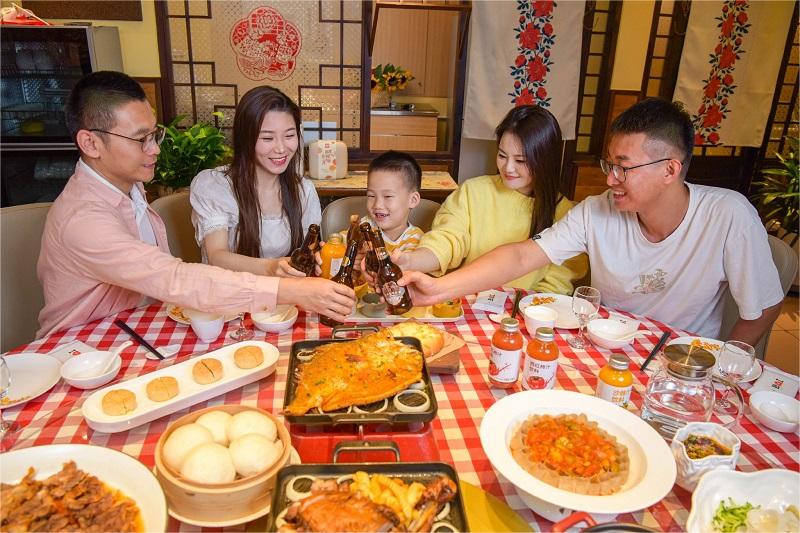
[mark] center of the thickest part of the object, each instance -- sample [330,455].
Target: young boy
[393,183]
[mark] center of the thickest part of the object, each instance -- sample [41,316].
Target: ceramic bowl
[604,332]
[265,321]
[776,411]
[83,371]
[691,470]
[372,306]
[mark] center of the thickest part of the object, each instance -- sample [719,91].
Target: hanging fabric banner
[731,56]
[523,52]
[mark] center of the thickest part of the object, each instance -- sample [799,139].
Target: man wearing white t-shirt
[657,246]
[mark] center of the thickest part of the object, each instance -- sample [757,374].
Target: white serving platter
[419,313]
[32,374]
[560,304]
[189,391]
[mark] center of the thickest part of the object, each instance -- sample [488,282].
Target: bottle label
[504,364]
[616,395]
[336,264]
[393,293]
[539,374]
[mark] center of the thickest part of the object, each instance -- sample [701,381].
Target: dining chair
[336,215]
[786,261]
[21,298]
[176,212]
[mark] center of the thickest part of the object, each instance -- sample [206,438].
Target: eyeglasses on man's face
[620,172]
[148,141]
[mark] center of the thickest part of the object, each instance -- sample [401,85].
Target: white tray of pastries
[125,405]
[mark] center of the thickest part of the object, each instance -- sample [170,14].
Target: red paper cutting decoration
[266,45]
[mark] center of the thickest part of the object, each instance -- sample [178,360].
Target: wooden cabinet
[408,133]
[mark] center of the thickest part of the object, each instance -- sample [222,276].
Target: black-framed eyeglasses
[620,172]
[148,141]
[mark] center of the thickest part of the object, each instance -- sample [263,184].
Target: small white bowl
[263,321]
[691,470]
[603,332]
[776,411]
[76,369]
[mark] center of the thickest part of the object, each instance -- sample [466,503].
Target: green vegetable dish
[747,517]
[729,518]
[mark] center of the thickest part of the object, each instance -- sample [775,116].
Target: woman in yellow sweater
[488,211]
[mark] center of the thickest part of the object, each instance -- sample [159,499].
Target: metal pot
[591,525]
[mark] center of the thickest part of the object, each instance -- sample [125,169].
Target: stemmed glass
[585,305]
[6,428]
[242,333]
[735,359]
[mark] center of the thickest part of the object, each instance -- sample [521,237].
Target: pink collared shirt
[93,263]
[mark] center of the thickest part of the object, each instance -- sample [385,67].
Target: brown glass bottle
[354,231]
[303,258]
[398,301]
[344,276]
[371,260]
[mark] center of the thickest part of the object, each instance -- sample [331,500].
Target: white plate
[420,313]
[652,467]
[751,375]
[172,312]
[562,305]
[189,391]
[771,489]
[115,469]
[32,375]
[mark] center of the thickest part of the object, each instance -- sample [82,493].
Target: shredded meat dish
[69,500]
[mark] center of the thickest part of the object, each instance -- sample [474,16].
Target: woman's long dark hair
[540,136]
[250,112]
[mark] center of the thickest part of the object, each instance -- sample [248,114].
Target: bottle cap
[545,334]
[335,238]
[510,324]
[619,361]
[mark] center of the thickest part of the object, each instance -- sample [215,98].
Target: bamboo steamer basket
[226,502]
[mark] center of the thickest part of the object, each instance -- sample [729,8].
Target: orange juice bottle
[332,255]
[541,361]
[506,354]
[615,381]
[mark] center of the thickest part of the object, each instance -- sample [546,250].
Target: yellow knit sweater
[483,214]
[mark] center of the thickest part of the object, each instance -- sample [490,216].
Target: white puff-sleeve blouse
[214,208]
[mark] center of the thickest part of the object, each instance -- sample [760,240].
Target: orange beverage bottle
[506,354]
[615,381]
[332,254]
[541,361]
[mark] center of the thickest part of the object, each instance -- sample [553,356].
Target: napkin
[777,381]
[491,301]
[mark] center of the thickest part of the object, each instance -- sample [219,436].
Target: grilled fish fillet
[357,372]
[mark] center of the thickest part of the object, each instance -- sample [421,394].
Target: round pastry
[248,357]
[209,463]
[253,454]
[119,402]
[182,441]
[216,422]
[162,389]
[247,422]
[207,371]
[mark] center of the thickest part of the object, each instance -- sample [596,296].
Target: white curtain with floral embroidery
[730,62]
[523,53]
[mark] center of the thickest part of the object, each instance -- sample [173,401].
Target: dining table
[55,417]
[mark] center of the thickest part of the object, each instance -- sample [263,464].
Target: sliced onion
[279,521]
[444,525]
[305,355]
[419,385]
[444,512]
[294,494]
[344,478]
[357,409]
[411,408]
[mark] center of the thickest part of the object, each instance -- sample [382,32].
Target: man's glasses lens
[155,138]
[609,168]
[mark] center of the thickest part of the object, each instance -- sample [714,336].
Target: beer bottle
[398,301]
[344,276]
[303,258]
[371,260]
[354,232]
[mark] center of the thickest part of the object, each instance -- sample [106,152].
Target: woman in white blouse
[250,215]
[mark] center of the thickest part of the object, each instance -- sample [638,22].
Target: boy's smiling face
[389,201]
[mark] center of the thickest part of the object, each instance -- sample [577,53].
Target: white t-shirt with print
[681,280]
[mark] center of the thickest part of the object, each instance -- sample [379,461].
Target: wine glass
[585,305]
[243,333]
[735,359]
[6,428]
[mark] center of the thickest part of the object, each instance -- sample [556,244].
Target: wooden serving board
[448,359]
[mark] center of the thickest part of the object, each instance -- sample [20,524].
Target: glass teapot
[682,390]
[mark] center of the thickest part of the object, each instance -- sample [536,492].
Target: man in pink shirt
[105,250]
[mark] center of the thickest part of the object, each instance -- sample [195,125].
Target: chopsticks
[138,338]
[655,349]
[517,298]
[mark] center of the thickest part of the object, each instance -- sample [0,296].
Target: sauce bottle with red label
[506,354]
[541,361]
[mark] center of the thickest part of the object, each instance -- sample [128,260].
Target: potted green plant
[187,151]
[777,195]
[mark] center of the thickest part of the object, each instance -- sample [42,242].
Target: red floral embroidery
[719,86]
[266,45]
[535,37]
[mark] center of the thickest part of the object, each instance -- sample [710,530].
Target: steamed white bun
[209,463]
[247,422]
[253,454]
[216,422]
[182,441]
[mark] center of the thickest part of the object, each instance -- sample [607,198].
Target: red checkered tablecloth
[463,399]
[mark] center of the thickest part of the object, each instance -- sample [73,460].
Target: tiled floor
[783,349]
